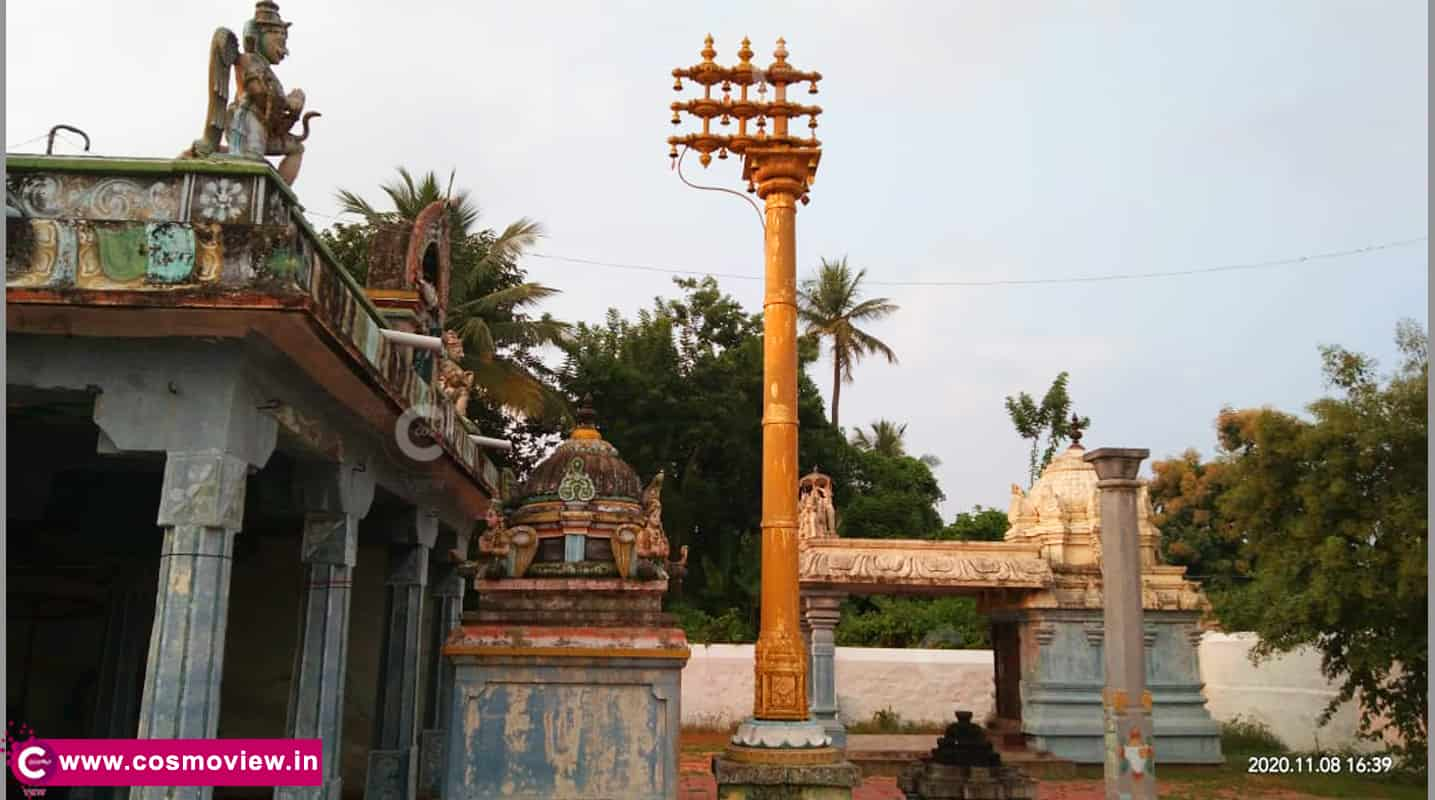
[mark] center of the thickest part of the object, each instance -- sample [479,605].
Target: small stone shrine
[964,765]
[568,679]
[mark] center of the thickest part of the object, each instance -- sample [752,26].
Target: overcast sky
[962,141]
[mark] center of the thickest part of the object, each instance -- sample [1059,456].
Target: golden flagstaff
[780,168]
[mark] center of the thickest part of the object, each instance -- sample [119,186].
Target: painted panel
[219,199]
[371,342]
[94,197]
[51,252]
[209,251]
[170,258]
[531,739]
[282,262]
[124,252]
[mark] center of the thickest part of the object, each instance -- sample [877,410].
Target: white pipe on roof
[415,340]
[494,444]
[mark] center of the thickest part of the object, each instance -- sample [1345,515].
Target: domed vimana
[570,635]
[583,512]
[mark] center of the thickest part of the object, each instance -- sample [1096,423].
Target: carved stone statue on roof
[455,382]
[258,123]
[816,517]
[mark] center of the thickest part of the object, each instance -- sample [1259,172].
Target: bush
[942,623]
[889,721]
[730,627]
[1240,735]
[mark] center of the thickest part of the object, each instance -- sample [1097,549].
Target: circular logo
[34,763]
[414,436]
[412,450]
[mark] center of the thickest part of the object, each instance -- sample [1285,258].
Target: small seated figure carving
[455,382]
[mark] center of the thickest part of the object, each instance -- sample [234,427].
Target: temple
[1042,589]
[208,404]
[250,487]
[568,678]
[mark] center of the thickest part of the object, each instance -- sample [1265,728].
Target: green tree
[491,305]
[927,622]
[1049,419]
[978,525]
[891,497]
[679,389]
[1184,494]
[1333,513]
[831,308]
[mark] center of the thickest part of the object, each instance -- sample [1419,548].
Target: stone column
[333,497]
[393,764]
[823,612]
[1130,760]
[806,629]
[448,614]
[201,511]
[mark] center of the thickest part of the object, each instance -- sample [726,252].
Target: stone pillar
[1130,760]
[823,612]
[448,614]
[393,763]
[201,511]
[333,497]
[806,629]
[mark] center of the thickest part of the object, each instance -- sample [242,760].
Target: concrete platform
[887,754]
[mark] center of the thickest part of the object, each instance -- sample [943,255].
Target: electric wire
[1251,265]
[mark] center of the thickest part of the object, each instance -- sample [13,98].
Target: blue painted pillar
[823,612]
[334,497]
[201,511]
[393,764]
[448,594]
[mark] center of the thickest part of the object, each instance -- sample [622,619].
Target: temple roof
[583,468]
[215,248]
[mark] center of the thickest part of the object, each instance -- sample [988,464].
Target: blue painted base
[1062,677]
[579,727]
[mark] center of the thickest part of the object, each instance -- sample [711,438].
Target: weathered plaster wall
[1286,694]
[920,685]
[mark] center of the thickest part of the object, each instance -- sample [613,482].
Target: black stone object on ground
[965,745]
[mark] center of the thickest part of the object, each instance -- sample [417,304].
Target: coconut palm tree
[489,304]
[885,439]
[888,439]
[831,307]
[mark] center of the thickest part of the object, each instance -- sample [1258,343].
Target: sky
[969,141]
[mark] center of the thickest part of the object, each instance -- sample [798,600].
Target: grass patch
[889,721]
[1249,737]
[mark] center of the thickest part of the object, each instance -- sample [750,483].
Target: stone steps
[886,755]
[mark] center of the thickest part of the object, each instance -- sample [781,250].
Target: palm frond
[524,294]
[531,333]
[865,343]
[352,203]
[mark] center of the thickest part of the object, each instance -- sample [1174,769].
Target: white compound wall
[1286,693]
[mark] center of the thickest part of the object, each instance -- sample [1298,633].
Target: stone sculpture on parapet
[816,518]
[258,123]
